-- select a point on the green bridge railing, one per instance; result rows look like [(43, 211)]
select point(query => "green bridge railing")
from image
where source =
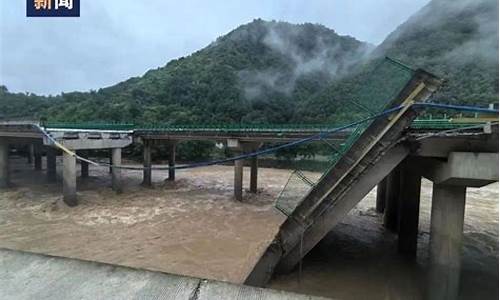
[(417, 124)]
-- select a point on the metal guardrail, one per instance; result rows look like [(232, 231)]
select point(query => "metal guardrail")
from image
[(417, 124)]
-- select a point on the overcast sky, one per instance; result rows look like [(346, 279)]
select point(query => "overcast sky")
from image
[(117, 39)]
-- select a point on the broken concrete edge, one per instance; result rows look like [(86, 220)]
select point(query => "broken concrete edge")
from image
[(201, 288)]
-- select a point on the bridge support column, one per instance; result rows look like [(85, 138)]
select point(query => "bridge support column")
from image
[(110, 161), (30, 153), (391, 210), (69, 179), (171, 162), (4, 164), (409, 210), (254, 168), (116, 173), (51, 164), (38, 157), (146, 174), (447, 221), (238, 179), (381, 195), (84, 165)]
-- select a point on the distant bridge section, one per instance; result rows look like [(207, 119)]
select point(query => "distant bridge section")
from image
[(84, 137)]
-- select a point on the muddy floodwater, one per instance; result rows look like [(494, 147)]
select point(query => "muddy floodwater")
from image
[(194, 227), (359, 259), (190, 226)]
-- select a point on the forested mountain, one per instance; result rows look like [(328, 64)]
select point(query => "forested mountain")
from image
[(456, 40), (255, 74), (276, 72)]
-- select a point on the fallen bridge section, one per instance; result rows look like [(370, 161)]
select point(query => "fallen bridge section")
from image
[(370, 158), (33, 276)]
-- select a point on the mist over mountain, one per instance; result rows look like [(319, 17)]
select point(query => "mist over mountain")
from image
[(276, 72), (456, 40)]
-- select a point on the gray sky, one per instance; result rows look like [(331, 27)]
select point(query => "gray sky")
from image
[(114, 40)]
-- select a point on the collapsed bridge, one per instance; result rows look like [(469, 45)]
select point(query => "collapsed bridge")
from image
[(388, 148)]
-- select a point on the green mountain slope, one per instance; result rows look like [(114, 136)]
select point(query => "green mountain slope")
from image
[(255, 74), (456, 40), (276, 72)]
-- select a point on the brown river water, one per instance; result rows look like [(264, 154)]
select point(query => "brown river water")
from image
[(194, 227)]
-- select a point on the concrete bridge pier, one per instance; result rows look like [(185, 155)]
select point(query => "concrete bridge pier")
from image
[(381, 196), (447, 222), (171, 161), (110, 157), (38, 157), (116, 173), (51, 164), (4, 164), (238, 179), (147, 173), (239, 148), (391, 209), (30, 153), (254, 164), (254, 169), (83, 164), (409, 208), (69, 179), (450, 180)]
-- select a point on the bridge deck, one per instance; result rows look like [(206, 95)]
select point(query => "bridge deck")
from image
[(33, 276), (263, 133)]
